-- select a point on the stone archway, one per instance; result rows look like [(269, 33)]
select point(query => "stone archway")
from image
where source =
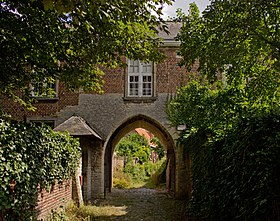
[(140, 121)]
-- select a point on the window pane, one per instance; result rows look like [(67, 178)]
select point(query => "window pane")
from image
[(134, 66), (147, 78), (147, 89), (147, 67), (133, 79), (133, 90)]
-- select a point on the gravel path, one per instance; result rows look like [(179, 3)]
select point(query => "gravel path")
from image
[(144, 204)]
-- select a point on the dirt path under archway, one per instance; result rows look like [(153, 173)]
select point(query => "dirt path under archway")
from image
[(142, 204)]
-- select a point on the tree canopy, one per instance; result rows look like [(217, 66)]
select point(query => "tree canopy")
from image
[(231, 108), (134, 145), (44, 40), (239, 40)]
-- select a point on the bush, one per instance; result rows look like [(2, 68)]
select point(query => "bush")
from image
[(236, 176), (121, 180), (134, 175), (31, 157)]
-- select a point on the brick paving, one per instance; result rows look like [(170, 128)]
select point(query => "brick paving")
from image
[(144, 204)]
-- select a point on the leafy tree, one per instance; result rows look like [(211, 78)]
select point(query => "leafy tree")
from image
[(44, 40), (135, 146), (239, 40), (231, 108)]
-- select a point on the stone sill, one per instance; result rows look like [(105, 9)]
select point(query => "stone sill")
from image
[(46, 98), (139, 99)]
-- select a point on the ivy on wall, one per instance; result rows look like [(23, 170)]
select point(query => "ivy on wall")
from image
[(31, 158)]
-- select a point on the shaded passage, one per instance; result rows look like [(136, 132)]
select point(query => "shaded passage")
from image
[(141, 204)]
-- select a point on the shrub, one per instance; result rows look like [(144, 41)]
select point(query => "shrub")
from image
[(121, 180), (236, 176), (31, 157)]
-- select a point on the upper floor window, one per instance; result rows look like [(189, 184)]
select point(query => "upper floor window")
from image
[(45, 90), (140, 79)]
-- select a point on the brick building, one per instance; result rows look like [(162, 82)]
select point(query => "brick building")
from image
[(134, 97)]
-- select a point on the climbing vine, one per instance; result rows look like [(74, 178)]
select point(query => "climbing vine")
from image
[(31, 158)]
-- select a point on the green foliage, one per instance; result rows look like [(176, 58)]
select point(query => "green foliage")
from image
[(136, 171), (231, 109), (121, 184), (240, 41), (121, 179), (236, 176), (68, 40), (134, 175), (159, 149), (33, 158), (202, 107), (138, 166), (134, 146)]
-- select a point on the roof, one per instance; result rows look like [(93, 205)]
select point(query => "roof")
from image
[(147, 135), (77, 126), (173, 28)]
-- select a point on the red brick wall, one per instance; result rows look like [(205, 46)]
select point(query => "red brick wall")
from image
[(168, 74), (114, 80), (59, 195), (168, 77), (44, 107)]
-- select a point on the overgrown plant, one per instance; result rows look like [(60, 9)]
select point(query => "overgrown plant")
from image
[(32, 158), (236, 176)]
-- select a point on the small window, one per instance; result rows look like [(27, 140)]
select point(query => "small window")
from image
[(45, 89), (140, 79)]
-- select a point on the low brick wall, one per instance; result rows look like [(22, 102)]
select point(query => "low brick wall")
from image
[(59, 195)]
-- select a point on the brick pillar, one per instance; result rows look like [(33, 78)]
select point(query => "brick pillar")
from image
[(183, 174)]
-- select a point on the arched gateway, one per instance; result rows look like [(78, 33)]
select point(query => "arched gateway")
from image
[(100, 129), (141, 121)]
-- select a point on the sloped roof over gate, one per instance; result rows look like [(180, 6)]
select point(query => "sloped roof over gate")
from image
[(77, 126)]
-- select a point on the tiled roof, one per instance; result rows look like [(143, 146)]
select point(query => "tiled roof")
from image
[(146, 134), (173, 27), (77, 126)]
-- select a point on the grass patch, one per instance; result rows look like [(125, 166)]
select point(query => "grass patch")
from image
[(89, 212)]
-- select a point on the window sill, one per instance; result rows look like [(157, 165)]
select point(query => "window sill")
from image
[(46, 98), (139, 99)]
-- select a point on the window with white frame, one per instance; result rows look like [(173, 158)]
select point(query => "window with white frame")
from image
[(140, 79)]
